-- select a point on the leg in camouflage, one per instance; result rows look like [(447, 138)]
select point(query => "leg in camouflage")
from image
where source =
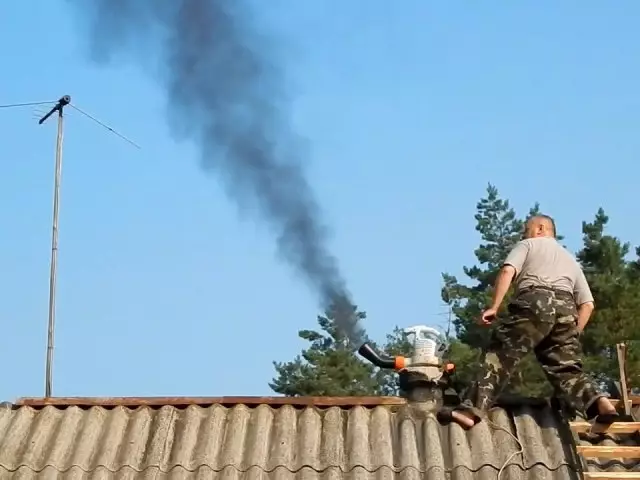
[(560, 355), (531, 318)]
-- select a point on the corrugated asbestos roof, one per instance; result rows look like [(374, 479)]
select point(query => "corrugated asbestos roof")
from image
[(281, 442)]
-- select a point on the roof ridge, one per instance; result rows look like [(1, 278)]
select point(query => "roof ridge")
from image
[(370, 401)]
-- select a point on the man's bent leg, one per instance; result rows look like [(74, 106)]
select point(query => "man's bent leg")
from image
[(560, 357), (511, 341)]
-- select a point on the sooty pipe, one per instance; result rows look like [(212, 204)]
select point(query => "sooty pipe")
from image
[(374, 357)]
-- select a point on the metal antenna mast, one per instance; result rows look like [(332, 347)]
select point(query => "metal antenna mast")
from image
[(59, 108)]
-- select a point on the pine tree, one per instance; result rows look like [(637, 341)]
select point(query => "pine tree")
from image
[(615, 284)]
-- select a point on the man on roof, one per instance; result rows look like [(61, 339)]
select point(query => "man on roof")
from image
[(551, 306)]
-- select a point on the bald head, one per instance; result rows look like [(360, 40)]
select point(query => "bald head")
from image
[(540, 226)]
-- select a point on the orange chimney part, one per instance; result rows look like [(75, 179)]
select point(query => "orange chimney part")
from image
[(400, 363)]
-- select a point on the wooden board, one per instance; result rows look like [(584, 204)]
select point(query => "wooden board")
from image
[(616, 427), (611, 475), (622, 366), (616, 403), (249, 401), (206, 401), (596, 451)]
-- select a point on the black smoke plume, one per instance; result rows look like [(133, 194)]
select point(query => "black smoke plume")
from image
[(225, 94)]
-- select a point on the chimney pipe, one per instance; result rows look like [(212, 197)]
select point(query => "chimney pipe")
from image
[(423, 377), (381, 361)]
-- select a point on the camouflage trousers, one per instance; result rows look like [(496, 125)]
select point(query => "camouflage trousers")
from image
[(544, 322)]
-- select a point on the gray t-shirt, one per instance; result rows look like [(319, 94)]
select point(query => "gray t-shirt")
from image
[(543, 262)]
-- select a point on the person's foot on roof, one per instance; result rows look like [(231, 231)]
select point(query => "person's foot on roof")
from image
[(460, 415), (607, 413), (465, 419), (605, 407)]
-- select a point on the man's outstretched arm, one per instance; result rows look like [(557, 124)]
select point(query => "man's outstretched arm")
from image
[(512, 266), (503, 282)]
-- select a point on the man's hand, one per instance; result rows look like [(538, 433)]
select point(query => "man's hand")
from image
[(505, 276), (488, 316)]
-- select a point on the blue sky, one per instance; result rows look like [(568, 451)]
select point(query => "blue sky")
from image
[(409, 109)]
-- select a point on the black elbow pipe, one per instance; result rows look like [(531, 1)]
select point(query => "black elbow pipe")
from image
[(374, 357)]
